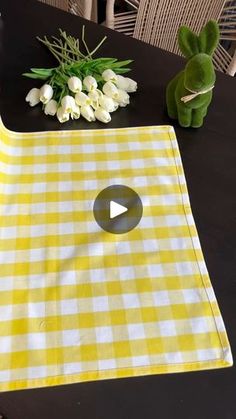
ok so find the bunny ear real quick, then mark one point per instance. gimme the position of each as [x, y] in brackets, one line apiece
[209, 37]
[188, 42]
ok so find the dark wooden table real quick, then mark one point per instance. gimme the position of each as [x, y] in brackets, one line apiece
[209, 158]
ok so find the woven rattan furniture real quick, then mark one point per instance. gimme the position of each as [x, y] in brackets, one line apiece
[82, 8]
[157, 21]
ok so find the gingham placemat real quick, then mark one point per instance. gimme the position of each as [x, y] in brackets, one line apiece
[78, 303]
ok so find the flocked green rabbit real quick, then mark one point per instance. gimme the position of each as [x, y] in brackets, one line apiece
[189, 94]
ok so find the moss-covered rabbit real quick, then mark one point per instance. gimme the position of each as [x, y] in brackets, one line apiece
[189, 94]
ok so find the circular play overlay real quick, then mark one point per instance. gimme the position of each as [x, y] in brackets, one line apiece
[118, 209]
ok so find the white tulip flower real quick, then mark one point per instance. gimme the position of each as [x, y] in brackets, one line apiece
[68, 103]
[94, 96]
[74, 84]
[102, 115]
[108, 103]
[109, 75]
[87, 113]
[90, 83]
[95, 104]
[62, 116]
[132, 85]
[82, 99]
[109, 89]
[75, 114]
[51, 108]
[123, 98]
[127, 84]
[100, 94]
[46, 93]
[33, 97]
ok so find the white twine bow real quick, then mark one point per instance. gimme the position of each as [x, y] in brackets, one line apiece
[195, 94]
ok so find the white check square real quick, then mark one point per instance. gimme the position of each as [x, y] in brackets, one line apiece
[150, 245]
[69, 306]
[64, 167]
[161, 298]
[137, 164]
[113, 165]
[39, 187]
[71, 337]
[91, 184]
[38, 230]
[167, 328]
[131, 301]
[40, 168]
[89, 166]
[98, 275]
[199, 325]
[104, 334]
[111, 147]
[67, 228]
[88, 148]
[123, 247]
[36, 341]
[96, 249]
[36, 310]
[106, 364]
[136, 331]
[100, 303]
[126, 272]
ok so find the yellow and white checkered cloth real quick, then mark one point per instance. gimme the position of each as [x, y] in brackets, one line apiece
[78, 303]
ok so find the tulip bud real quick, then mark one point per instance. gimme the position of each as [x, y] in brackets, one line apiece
[123, 98]
[75, 114]
[108, 104]
[68, 104]
[74, 84]
[102, 115]
[82, 99]
[90, 83]
[46, 93]
[51, 108]
[100, 94]
[33, 97]
[62, 115]
[132, 85]
[94, 96]
[110, 90]
[109, 75]
[87, 113]
[127, 84]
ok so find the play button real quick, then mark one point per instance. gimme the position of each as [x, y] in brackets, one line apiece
[117, 209]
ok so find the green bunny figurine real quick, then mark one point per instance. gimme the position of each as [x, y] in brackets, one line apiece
[189, 93]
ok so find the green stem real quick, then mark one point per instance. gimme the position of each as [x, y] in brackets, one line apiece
[77, 48]
[61, 96]
[51, 48]
[83, 40]
[98, 46]
[69, 40]
[66, 59]
[62, 48]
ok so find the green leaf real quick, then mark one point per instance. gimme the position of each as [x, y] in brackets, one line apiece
[43, 71]
[123, 63]
[35, 76]
[105, 59]
[121, 70]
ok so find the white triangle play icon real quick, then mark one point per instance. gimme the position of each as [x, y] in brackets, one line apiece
[116, 209]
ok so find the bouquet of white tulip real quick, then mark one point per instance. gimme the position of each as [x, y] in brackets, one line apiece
[80, 85]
